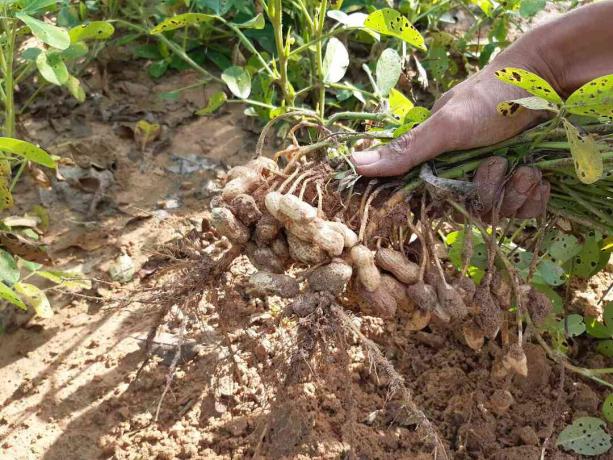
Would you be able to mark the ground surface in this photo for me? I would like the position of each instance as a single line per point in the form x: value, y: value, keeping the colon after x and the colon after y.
x: 68, y: 384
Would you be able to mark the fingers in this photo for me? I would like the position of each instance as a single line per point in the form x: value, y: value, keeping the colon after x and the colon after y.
x: 423, y: 143
x: 522, y: 184
x: 536, y: 204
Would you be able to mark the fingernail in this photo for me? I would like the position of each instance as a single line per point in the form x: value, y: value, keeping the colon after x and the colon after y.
x: 365, y: 158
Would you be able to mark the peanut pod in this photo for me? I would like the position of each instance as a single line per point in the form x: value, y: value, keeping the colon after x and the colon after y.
x: 332, y: 277
x: 229, y: 226
x: 397, y: 264
x: 368, y: 273
x: 265, y: 284
x: 245, y: 209
x: 304, y: 251
x: 295, y: 209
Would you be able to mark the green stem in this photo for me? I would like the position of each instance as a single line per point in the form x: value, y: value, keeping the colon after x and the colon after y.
x: 359, y: 116
x: 277, y: 25
x: 585, y: 204
x: 321, y: 19
x: 247, y: 43
x: 22, y: 166
x: 6, y: 64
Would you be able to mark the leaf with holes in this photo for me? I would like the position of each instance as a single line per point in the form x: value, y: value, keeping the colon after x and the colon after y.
x: 26, y: 150
x: 561, y: 246
x: 258, y: 22
x: 510, y: 108
x: 399, y: 104
x: 594, y: 99
x: 549, y: 273
x: 238, y: 81
x: 36, y: 298
x: 215, y: 102
x: 9, y: 295
x: 336, y: 61
x: 586, y: 154
x: 417, y: 115
x: 388, y: 21
x: 46, y: 33
x: 52, y: 68
x: 389, y: 68
x: 572, y: 324
x: 585, y: 263
x: 95, y: 30
x: 586, y: 436
x: 180, y: 21
x: 530, y: 82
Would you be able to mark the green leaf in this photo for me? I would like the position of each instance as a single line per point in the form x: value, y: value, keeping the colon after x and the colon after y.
x: 75, y: 51
x: 180, y: 21
x: 257, y: 23
x: 95, y: 30
x: 510, y: 108
x: 74, y: 87
x: 336, y: 61
x: 69, y: 280
x: 593, y: 99
x: 403, y: 129
x: 605, y: 348
x: 36, y: 6
x: 485, y: 5
x: 549, y: 273
x: 528, y: 8
x: 573, y: 324
x: 389, y: 68
x: 9, y: 295
x: 586, y: 154
x: 399, y: 104
x: 530, y: 82
x: 238, y: 81
x: 26, y: 150
x: 215, y: 102
x: 220, y: 7
x: 46, y: 33
x: 52, y: 68
x: 157, y: 69
x: 36, y: 298
x: 607, y: 408
x: 29, y: 265
x: 586, y: 436
x: 31, y: 54
x: 390, y: 22
x: 597, y: 329
x: 9, y: 271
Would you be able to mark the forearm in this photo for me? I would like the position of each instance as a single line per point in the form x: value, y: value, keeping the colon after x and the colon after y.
x: 570, y: 50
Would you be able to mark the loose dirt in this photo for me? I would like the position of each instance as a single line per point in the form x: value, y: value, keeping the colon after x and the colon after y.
x: 248, y: 383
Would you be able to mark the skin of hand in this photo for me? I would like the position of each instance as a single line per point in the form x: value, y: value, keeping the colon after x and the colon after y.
x: 567, y: 52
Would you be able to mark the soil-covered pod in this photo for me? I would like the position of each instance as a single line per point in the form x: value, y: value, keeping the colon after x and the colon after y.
x: 398, y: 265
x: 301, y: 230
x: 240, y: 171
x: 423, y: 296
x: 368, y: 273
x: 295, y: 209
x: 229, y: 226
x: 489, y: 317
x: 241, y: 185
x: 380, y: 301
x: 501, y: 401
x: 304, y: 304
x: 332, y: 277
x: 263, y: 258
x: 515, y: 360
x: 326, y: 237
x: 466, y: 287
x: 272, y: 201
x: 245, y: 209
x: 280, y: 248
x: 264, y: 284
x: 349, y: 236
x: 488, y: 180
x: 473, y: 335
x: 539, y: 306
x: 304, y: 251
x: 451, y: 300
x: 521, y: 185
x: 418, y: 320
x: 398, y: 291
x: 501, y: 289
x: 267, y: 229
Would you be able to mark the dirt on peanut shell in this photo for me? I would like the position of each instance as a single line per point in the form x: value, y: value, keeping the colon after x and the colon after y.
x: 243, y: 386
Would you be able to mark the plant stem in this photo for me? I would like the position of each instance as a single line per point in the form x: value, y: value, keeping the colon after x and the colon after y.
x: 277, y: 24
x: 321, y: 19
x: 6, y: 64
x: 359, y: 116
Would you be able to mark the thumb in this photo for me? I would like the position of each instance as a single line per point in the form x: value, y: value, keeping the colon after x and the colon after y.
x: 422, y: 143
